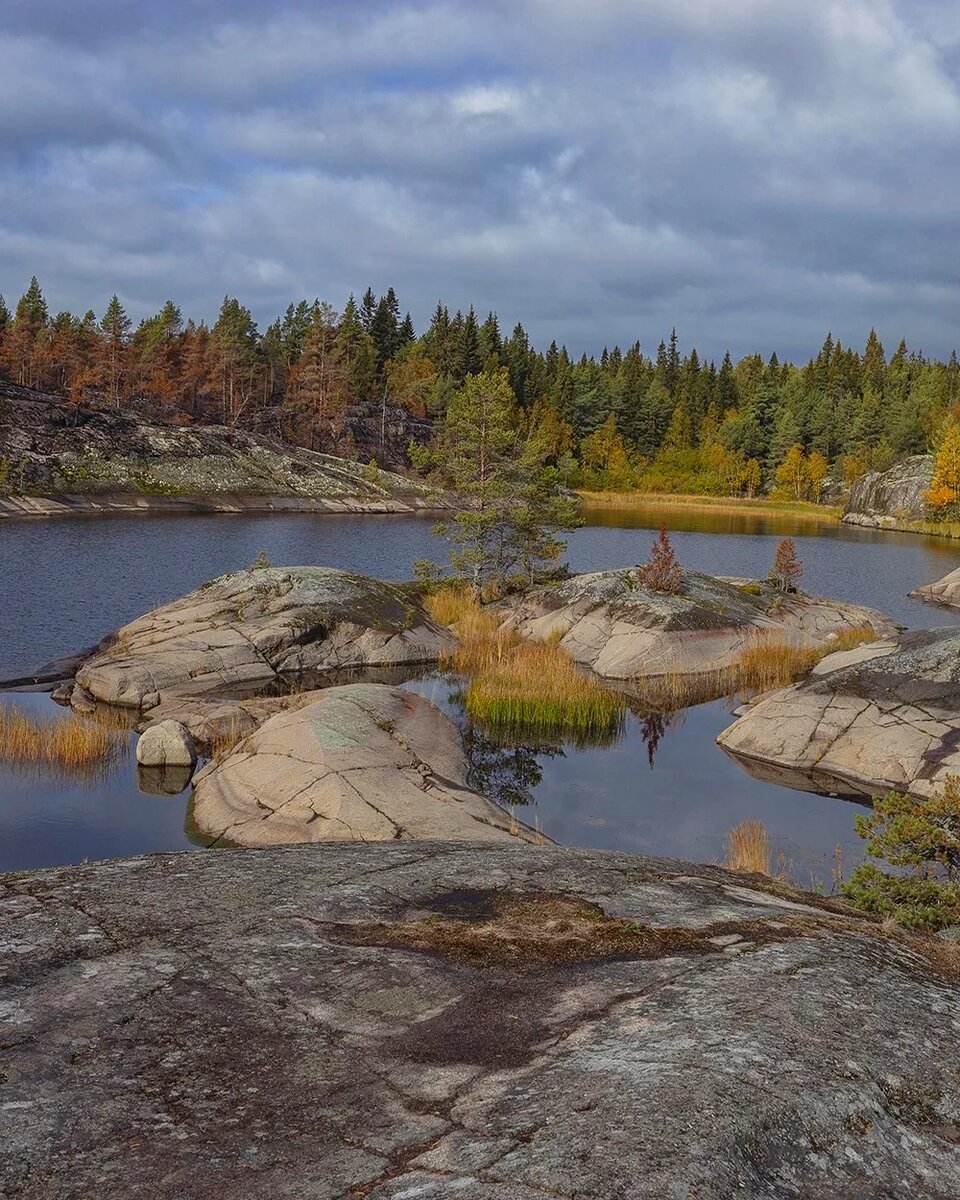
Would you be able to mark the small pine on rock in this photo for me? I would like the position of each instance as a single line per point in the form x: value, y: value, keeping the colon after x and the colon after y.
x: 662, y: 572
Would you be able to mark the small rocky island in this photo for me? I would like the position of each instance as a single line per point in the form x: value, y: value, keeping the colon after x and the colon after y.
x: 880, y: 717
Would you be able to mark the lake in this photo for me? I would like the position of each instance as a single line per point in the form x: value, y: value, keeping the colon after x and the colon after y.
x: 63, y: 584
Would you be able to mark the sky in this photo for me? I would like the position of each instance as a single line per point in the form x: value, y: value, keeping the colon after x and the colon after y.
x: 753, y: 172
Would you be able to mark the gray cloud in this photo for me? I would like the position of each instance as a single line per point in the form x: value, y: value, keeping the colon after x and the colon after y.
x: 753, y: 173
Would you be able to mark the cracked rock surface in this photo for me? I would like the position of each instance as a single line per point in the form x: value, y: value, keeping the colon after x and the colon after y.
x: 881, y: 717
x: 359, y: 763
x: 622, y: 631
x: 447, y: 1020
x: 250, y: 626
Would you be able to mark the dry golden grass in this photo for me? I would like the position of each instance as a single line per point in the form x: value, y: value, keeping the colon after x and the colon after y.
x: 771, y: 664
x: 516, y: 684
x: 749, y: 848
x: 535, y: 686
x: 849, y: 639
x: 68, y: 743
x: 450, y: 603
x: 226, y: 738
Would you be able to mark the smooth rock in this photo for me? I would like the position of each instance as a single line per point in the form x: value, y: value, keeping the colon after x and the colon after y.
x: 246, y: 628
x: 360, y: 763
x: 166, y: 744
x: 881, y: 499
x: 945, y: 591
x: 451, y: 1022
x: 608, y: 623
x: 882, y: 717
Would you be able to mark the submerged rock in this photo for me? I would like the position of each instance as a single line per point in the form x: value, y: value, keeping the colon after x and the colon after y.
x: 166, y: 744
x: 622, y: 631
x: 485, y: 1023
x: 253, y: 625
x: 881, y: 717
x: 882, y: 499
x: 360, y: 763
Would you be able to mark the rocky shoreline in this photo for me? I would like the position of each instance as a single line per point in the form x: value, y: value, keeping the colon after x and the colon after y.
x: 139, y: 504
x: 58, y: 460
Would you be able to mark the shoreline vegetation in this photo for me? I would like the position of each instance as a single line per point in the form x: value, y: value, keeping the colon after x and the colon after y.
x: 70, y: 745
x: 690, y: 502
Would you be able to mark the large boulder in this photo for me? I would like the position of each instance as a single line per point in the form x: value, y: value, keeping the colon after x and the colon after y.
x: 885, y: 716
x: 251, y: 626
x: 166, y: 744
x: 447, y: 1021
x: 882, y: 499
x: 360, y: 763
x: 622, y: 631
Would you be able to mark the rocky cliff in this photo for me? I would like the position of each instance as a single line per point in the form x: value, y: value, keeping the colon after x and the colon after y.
x: 49, y: 448
x: 883, y: 499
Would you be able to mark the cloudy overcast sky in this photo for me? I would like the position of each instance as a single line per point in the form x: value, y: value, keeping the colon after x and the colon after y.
x: 753, y: 171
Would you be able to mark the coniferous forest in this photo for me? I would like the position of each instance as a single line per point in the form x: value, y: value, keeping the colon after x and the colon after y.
x: 661, y: 420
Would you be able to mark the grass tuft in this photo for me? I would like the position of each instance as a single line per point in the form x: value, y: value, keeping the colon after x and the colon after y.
x: 68, y: 743
x: 517, y: 685
x: 749, y: 849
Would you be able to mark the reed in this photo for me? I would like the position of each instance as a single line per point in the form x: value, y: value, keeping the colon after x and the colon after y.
x: 67, y: 743
x: 749, y: 849
x: 770, y: 664
x: 850, y: 639
x: 536, y: 687
x: 515, y: 685
x: 449, y: 603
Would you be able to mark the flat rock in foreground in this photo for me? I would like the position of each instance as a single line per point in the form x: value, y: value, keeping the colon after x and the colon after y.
x: 250, y: 626
x: 607, y: 622
x: 359, y: 763
x: 885, y: 716
x: 441, y: 1021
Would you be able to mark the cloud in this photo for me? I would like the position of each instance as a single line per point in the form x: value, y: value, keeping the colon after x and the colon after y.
x: 752, y: 173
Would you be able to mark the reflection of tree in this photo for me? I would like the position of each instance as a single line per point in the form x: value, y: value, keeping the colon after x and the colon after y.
x: 653, y: 728
x: 506, y: 774
x: 505, y: 769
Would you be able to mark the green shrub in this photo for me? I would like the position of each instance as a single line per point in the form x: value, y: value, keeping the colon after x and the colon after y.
x: 920, y: 834
x: 915, y: 902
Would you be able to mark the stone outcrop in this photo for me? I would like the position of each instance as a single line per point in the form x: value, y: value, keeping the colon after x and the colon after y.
x: 166, y: 744
x: 945, y: 591
x: 251, y: 626
x: 482, y: 1023
x: 57, y: 459
x: 885, y: 499
x: 608, y: 623
x: 884, y: 716
x: 358, y: 763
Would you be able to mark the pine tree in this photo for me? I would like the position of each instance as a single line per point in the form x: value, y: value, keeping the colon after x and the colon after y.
x: 511, y: 507
x: 661, y: 573
x: 115, y: 327
x: 368, y: 310
x: 787, y: 568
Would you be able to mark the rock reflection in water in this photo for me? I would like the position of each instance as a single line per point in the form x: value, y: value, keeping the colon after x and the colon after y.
x: 163, y: 781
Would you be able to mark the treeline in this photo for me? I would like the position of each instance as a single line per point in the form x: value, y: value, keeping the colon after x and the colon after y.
x: 664, y: 422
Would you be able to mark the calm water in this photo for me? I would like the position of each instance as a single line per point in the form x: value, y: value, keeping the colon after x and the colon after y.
x: 64, y: 584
